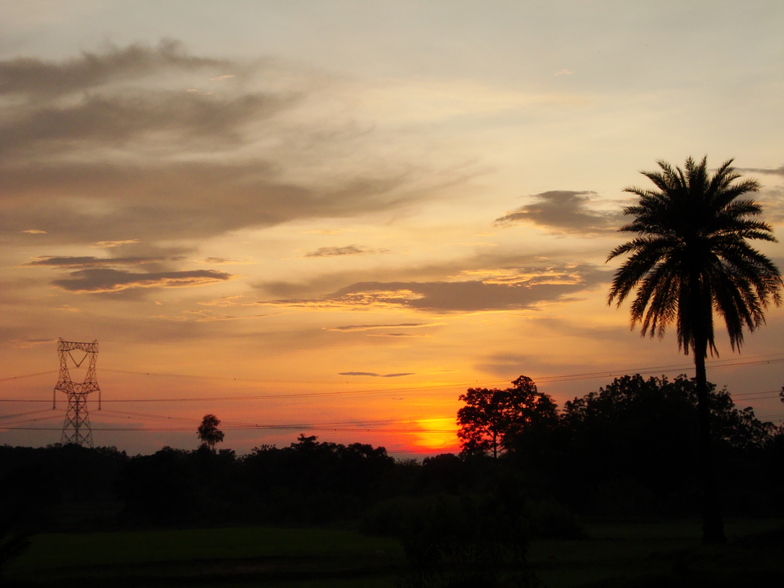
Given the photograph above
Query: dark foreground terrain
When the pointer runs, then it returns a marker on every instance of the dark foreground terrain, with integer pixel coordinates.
(637, 555)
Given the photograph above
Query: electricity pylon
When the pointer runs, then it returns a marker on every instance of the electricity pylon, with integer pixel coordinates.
(76, 427)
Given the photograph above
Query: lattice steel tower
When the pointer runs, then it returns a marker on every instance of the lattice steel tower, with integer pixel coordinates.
(76, 427)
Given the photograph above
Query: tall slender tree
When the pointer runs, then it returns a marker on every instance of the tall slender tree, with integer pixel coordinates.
(690, 259)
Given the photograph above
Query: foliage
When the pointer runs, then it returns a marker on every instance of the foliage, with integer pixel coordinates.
(691, 255)
(492, 419)
(312, 481)
(208, 431)
(161, 487)
(625, 450)
(635, 441)
(467, 540)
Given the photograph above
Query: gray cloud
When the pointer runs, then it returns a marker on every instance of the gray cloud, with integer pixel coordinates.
(111, 280)
(563, 210)
(175, 200)
(28, 342)
(774, 205)
(506, 364)
(778, 171)
(89, 261)
(98, 149)
(87, 101)
(205, 121)
(36, 78)
(532, 287)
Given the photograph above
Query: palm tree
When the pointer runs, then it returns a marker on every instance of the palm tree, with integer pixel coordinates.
(690, 258)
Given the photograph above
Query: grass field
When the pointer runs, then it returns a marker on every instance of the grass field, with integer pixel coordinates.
(663, 554)
(204, 557)
(641, 555)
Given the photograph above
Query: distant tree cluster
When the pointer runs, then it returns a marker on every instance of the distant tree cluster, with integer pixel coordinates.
(626, 450)
(632, 447)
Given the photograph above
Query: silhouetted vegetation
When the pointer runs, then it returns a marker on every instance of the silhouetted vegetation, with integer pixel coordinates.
(491, 419)
(629, 449)
(208, 431)
(690, 256)
(624, 452)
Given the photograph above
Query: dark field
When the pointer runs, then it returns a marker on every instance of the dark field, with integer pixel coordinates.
(614, 555)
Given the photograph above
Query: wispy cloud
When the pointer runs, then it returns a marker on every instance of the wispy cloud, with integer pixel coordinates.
(225, 261)
(28, 343)
(137, 203)
(111, 280)
(113, 244)
(777, 171)
(89, 261)
(206, 316)
(35, 77)
(64, 117)
(530, 288)
(354, 328)
(195, 119)
(347, 250)
(375, 375)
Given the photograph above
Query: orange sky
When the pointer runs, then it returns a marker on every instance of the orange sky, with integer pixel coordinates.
(333, 218)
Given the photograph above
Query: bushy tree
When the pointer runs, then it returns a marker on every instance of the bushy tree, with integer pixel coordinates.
(492, 418)
(633, 444)
(208, 431)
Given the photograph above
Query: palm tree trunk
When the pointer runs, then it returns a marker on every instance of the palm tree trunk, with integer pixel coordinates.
(712, 524)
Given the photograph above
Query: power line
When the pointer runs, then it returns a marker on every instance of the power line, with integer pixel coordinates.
(758, 360)
(28, 376)
(284, 427)
(362, 424)
(657, 369)
(15, 424)
(21, 414)
(716, 363)
(272, 396)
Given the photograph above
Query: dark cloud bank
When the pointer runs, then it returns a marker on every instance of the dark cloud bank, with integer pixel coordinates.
(563, 210)
(462, 296)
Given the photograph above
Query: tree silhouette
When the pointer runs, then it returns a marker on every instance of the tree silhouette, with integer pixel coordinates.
(491, 418)
(481, 420)
(208, 431)
(689, 258)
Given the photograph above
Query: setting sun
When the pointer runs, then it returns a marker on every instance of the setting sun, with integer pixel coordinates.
(336, 231)
(437, 434)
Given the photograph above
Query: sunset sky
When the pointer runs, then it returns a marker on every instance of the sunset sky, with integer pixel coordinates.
(332, 217)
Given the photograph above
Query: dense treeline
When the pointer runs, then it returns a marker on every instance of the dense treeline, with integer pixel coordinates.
(627, 450)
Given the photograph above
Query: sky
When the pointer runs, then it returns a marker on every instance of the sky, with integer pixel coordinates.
(333, 217)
